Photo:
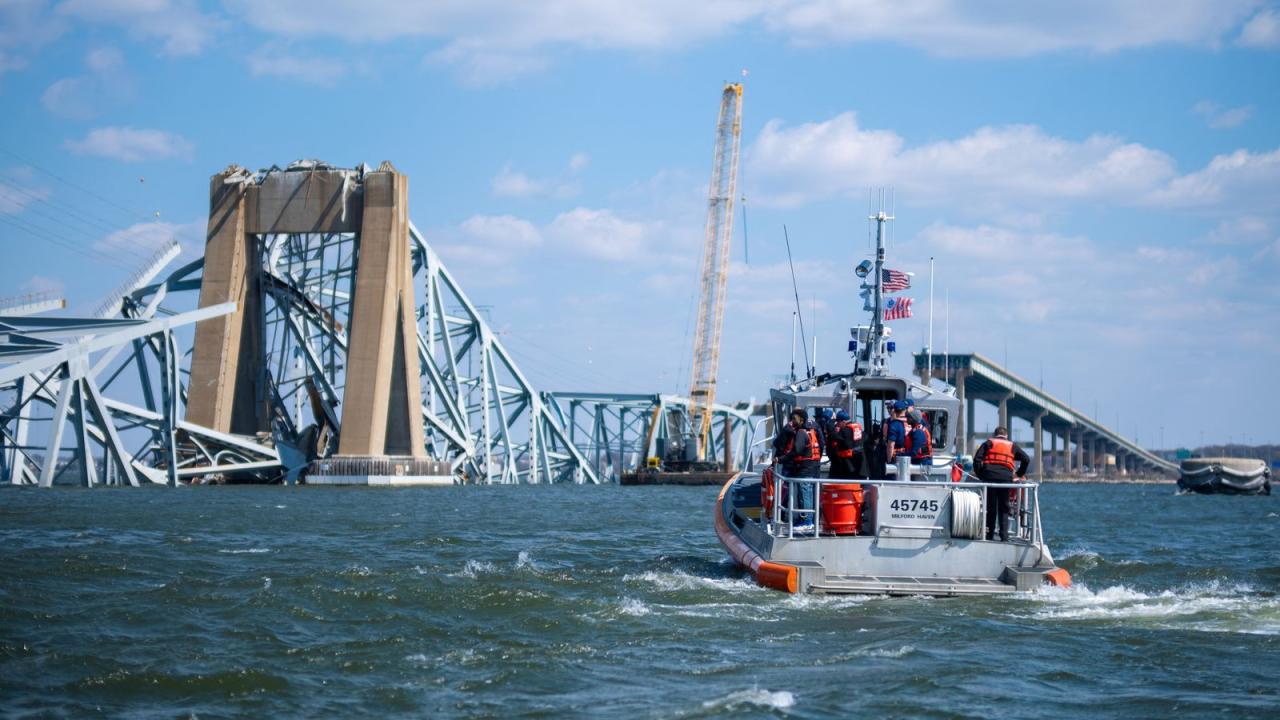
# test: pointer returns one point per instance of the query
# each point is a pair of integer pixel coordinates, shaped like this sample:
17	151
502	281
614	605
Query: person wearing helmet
844	447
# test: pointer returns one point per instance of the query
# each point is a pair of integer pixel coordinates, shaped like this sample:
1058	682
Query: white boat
895	529
1224	475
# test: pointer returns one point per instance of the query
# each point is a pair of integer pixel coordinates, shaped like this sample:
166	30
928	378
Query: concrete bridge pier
1038	433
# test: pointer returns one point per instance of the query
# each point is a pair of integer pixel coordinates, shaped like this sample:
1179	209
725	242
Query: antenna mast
875	351
715	263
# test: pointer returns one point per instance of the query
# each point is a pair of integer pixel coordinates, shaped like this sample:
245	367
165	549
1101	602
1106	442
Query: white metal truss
481	414
55	375
619	433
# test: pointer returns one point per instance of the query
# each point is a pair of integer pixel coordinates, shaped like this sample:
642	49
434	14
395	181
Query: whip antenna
795	289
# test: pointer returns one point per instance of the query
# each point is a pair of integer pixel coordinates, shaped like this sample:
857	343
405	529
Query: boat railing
786	517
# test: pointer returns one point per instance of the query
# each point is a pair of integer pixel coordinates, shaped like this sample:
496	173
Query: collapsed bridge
330	342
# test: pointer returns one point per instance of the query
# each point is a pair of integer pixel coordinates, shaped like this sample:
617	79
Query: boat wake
1206	607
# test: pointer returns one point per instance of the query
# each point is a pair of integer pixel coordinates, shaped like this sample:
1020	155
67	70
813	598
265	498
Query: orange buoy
841	509
1058	578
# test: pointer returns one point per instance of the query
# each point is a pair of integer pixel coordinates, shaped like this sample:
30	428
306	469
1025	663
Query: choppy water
604	602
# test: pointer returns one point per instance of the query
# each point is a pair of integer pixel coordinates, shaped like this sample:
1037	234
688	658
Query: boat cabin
868	400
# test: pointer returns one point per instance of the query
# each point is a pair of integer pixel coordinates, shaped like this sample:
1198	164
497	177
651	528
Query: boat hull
881	564
1225	476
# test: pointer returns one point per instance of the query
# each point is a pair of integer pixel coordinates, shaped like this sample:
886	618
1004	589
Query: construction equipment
715	268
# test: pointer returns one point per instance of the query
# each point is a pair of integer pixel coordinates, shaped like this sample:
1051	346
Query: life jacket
919	443
900	449
815	450
999	452
833	447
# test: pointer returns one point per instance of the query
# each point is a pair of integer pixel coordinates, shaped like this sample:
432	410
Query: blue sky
1098	181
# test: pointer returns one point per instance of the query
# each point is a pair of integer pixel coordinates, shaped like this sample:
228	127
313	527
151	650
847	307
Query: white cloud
143	239
270	61
1008	168
25	27
513	183
17	191
492	40
1012	28
44	284
1241	230
179	24
1262	30
601	234
1217	117
991	166
1240	181
502	232
131	144
1086	300
104	84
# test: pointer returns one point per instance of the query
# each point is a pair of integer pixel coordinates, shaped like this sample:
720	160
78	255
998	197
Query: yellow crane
715	265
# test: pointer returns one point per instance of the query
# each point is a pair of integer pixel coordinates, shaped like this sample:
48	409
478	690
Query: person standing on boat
802	458
919	443
896	436
995	462
842	447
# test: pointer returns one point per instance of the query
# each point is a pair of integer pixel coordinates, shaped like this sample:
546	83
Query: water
604	602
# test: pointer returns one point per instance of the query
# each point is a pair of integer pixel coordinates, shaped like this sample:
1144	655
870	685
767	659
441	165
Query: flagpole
929	350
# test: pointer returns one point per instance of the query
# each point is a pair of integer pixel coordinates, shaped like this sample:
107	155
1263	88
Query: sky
1097	182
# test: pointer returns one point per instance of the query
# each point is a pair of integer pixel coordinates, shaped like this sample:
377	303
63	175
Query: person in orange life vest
843	447
896	435
995	463
802	458
919	443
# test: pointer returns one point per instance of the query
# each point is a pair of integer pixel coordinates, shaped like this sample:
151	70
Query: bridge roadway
1087	447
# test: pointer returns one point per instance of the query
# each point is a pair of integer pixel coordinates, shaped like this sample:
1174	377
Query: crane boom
715	264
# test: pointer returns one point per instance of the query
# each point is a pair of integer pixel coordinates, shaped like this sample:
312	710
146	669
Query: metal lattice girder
481	414
618	433
481	411
69	381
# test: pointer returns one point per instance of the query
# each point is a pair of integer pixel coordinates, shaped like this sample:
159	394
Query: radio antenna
795	289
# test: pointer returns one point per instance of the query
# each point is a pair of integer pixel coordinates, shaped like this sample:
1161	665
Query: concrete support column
1079	450
1038	433
1067	455
226	357
1053	451
963	423
382	400
1004	413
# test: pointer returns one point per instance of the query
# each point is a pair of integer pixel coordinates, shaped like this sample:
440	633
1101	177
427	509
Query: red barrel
841	509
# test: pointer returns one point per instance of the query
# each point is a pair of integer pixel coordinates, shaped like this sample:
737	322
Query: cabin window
938	429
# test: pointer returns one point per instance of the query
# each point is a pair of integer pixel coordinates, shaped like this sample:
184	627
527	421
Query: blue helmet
842	416
900	405
826	413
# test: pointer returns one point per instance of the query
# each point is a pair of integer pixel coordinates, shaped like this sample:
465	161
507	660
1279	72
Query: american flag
894	280
897	308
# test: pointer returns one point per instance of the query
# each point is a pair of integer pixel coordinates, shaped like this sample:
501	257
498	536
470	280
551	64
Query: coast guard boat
896	529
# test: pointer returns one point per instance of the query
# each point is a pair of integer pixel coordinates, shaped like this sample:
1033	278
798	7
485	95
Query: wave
677	580
756	697
1209	607
248	551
